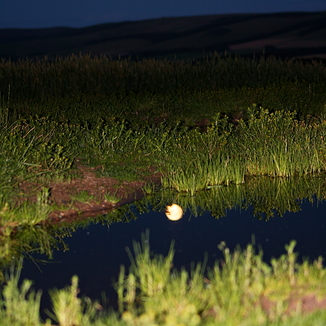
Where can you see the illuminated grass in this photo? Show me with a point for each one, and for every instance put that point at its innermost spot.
(270, 144)
(233, 292)
(266, 144)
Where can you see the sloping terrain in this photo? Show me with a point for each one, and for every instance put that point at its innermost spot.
(285, 34)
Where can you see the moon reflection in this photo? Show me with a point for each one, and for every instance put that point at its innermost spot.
(173, 212)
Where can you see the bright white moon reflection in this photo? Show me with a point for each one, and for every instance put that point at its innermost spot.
(173, 212)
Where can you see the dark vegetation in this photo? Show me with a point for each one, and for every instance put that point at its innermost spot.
(285, 35)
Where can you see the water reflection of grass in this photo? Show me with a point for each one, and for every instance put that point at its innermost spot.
(266, 196)
(241, 289)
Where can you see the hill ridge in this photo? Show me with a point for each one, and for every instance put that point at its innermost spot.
(287, 33)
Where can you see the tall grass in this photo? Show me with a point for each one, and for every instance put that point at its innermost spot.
(277, 144)
(273, 144)
(36, 146)
(102, 75)
(97, 85)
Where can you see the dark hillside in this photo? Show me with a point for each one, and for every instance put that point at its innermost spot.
(285, 34)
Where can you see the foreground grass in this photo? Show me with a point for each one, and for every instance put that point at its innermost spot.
(240, 290)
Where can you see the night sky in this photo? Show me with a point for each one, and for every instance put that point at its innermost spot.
(80, 13)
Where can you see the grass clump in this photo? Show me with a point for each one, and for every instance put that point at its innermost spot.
(277, 144)
(239, 290)
(232, 293)
(19, 305)
(83, 196)
(111, 198)
(272, 144)
(69, 309)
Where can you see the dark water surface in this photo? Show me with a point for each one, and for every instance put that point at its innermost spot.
(96, 252)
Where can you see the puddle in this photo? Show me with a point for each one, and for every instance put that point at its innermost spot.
(97, 251)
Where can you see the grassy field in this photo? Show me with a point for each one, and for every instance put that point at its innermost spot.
(214, 124)
(225, 118)
(85, 88)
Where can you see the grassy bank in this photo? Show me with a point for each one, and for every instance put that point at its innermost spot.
(240, 290)
(265, 144)
(258, 118)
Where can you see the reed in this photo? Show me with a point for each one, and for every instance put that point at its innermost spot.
(277, 144)
(274, 144)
